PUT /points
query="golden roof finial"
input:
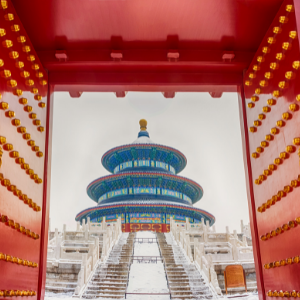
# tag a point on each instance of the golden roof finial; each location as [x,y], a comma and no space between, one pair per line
[143,124]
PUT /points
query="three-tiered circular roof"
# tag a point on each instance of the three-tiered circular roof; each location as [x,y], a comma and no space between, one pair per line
[144,178]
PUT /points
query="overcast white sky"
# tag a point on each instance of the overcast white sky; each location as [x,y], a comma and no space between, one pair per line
[205,129]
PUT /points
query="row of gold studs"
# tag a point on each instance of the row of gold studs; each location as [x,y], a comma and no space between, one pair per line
[11,114]
[20,65]
[268,75]
[17,260]
[19,93]
[15,54]
[292,107]
[24,74]
[282,263]
[13,83]
[18,193]
[277,161]
[288,75]
[17,122]
[11,223]
[282,84]
[15,154]
[283,294]
[7,74]
[12,293]
[281,194]
[30,143]
[280,123]
[271,40]
[280,230]
[31,58]
[285,116]
[279,56]
[22,129]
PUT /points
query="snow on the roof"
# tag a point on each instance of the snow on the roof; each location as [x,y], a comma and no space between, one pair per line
[143,140]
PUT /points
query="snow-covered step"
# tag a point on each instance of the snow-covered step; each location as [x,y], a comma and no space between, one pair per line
[185,282]
[110,280]
[59,290]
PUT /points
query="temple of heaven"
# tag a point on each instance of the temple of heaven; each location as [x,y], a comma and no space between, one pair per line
[144,188]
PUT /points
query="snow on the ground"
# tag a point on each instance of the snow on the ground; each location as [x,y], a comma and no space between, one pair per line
[147,277]
[54,296]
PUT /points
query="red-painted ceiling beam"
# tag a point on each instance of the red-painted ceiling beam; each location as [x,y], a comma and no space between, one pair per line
[151,82]
[143,59]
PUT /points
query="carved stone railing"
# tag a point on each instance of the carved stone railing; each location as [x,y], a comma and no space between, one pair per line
[91,260]
[211,248]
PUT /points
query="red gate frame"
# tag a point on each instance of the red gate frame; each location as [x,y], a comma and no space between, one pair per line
[168,82]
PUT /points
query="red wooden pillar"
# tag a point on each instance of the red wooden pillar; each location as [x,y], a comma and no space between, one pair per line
[250,195]
[270,120]
[46,195]
[127,227]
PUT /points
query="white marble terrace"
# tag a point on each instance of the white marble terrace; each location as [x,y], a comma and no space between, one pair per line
[212,251]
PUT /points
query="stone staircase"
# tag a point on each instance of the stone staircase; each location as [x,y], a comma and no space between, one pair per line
[185,281]
[62,278]
[110,279]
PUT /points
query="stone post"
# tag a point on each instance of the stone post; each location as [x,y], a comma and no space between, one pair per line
[56,233]
[103,224]
[91,252]
[57,248]
[97,247]
[187,224]
[207,225]
[227,234]
[83,225]
[83,265]
[235,234]
[86,233]
[77,226]
[245,243]
[233,242]
[104,244]
[89,223]
[205,230]
[188,245]
[64,232]
[120,225]
[196,245]
[203,224]
[242,226]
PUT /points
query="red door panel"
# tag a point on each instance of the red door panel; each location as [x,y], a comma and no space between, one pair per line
[23,88]
[272,84]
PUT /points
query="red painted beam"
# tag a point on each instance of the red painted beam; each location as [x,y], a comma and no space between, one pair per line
[146,60]
[151,82]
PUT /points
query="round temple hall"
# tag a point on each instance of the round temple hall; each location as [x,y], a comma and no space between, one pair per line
[144,188]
